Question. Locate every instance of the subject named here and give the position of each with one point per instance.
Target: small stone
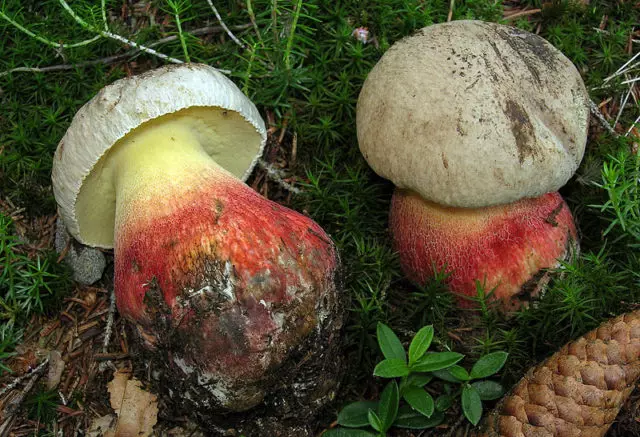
(87, 263)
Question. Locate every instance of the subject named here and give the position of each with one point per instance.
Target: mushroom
(227, 290)
(478, 125)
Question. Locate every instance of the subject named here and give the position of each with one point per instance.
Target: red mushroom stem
(239, 280)
(504, 247)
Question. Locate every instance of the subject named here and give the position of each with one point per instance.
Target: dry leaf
(56, 367)
(136, 408)
(103, 426)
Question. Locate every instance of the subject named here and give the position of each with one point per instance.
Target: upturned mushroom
(228, 290)
(478, 125)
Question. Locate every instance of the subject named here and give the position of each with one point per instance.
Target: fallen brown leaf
(136, 408)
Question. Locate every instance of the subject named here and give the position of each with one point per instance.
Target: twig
(455, 426)
(635, 79)
(107, 331)
(632, 126)
(45, 40)
(451, 6)
(116, 58)
(621, 70)
(109, 327)
(277, 175)
(13, 384)
(63, 67)
(12, 406)
(224, 26)
(119, 38)
(603, 121)
(623, 104)
(522, 14)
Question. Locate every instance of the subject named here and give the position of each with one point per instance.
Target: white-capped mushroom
(224, 286)
(475, 123)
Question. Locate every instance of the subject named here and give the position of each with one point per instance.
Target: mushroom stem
(506, 248)
(158, 166)
(225, 280)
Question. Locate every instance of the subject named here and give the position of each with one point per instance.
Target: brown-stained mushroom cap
(472, 114)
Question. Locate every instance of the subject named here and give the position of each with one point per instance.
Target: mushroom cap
(129, 103)
(473, 114)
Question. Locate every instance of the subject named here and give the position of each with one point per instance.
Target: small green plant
(416, 369)
(622, 209)
(26, 286)
(41, 405)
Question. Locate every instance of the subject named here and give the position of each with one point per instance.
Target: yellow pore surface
(160, 159)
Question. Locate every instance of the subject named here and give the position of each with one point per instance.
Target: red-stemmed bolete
(478, 125)
(234, 295)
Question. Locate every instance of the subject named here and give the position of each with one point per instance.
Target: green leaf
(388, 407)
(453, 374)
(420, 343)
(391, 368)
(488, 390)
(374, 421)
(411, 419)
(420, 400)
(436, 361)
(355, 414)
(444, 402)
(488, 365)
(471, 404)
(346, 432)
(390, 344)
(419, 379)
(458, 372)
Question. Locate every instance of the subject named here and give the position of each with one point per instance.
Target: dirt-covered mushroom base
(294, 392)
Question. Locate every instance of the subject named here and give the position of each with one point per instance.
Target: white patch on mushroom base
(180, 362)
(278, 319)
(227, 289)
(217, 388)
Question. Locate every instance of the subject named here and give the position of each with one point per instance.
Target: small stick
(276, 175)
(451, 6)
(13, 384)
(107, 332)
(45, 40)
(13, 405)
(522, 14)
(632, 126)
(224, 26)
(122, 39)
(108, 329)
(621, 69)
(603, 121)
(623, 104)
(112, 59)
(294, 147)
(455, 426)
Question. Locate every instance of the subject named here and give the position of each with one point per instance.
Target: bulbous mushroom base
(234, 298)
(507, 248)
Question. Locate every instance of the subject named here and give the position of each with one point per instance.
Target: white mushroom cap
(127, 104)
(472, 114)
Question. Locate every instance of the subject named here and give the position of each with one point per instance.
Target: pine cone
(578, 391)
